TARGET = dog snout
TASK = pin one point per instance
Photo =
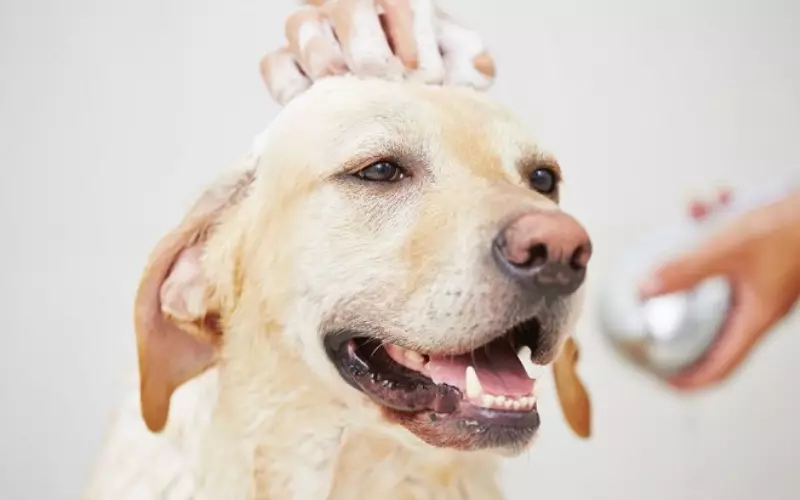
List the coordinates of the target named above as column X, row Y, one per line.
column 544, row 252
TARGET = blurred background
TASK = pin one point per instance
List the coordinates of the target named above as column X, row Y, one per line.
column 114, row 114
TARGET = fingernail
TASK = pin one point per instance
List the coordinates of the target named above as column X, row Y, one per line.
column 340, row 67
column 485, row 64
column 649, row 286
column 679, row 385
column 411, row 63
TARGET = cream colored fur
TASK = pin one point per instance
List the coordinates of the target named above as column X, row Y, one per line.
column 296, row 248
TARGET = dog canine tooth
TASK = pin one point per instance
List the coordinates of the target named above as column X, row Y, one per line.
column 476, row 394
column 533, row 370
column 474, row 389
column 414, row 357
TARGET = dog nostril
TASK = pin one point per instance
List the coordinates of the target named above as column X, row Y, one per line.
column 537, row 256
column 500, row 242
column 580, row 258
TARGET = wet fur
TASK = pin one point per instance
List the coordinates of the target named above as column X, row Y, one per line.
column 290, row 249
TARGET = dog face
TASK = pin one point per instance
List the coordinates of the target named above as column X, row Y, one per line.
column 406, row 244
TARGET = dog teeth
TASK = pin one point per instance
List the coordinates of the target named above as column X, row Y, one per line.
column 406, row 357
column 474, row 389
column 414, row 357
column 477, row 396
column 533, row 370
column 508, row 403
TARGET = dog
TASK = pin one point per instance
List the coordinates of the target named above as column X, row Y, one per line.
column 359, row 310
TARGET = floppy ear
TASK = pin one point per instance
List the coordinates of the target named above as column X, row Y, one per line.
column 572, row 394
column 177, row 331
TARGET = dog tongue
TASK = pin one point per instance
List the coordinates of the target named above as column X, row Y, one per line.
column 497, row 366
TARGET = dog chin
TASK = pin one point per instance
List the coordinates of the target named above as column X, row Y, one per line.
column 479, row 399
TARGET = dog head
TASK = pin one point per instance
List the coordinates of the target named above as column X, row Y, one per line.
column 403, row 244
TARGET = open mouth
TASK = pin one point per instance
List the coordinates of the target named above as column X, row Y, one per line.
column 490, row 387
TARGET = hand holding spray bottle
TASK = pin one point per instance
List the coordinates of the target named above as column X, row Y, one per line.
column 667, row 334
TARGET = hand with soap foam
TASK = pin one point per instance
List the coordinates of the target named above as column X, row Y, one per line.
column 388, row 39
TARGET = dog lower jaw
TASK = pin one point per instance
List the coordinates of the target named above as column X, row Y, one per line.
column 466, row 430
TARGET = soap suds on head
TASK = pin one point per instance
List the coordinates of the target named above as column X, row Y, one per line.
column 430, row 67
column 320, row 52
column 308, row 30
column 368, row 52
column 288, row 81
column 462, row 48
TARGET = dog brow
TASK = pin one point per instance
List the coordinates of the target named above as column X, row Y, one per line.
column 532, row 159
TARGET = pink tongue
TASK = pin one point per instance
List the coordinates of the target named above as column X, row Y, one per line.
column 499, row 370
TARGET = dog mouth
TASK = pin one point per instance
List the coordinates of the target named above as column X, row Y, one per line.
column 490, row 387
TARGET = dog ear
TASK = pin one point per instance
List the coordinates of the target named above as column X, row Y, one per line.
column 177, row 329
column 572, row 395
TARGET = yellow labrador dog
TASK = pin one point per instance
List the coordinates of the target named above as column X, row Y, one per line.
column 360, row 310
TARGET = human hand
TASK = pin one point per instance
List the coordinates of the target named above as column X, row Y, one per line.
column 388, row 39
column 760, row 254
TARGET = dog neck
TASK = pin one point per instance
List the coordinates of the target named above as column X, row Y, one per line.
column 277, row 425
column 290, row 445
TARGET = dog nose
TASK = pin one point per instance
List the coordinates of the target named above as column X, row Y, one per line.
column 545, row 251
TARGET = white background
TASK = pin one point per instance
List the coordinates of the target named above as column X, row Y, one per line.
column 114, row 113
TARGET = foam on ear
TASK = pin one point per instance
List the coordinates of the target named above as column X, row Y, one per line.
column 575, row 402
column 176, row 325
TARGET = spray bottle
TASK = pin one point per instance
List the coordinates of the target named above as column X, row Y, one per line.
column 667, row 334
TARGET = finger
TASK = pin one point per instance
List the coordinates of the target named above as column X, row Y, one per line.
column 714, row 256
column 398, row 21
column 282, row 76
column 745, row 326
column 466, row 60
column 363, row 42
column 313, row 45
column 411, row 28
column 683, row 272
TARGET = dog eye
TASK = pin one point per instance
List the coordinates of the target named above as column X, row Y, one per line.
column 382, row 171
column 543, row 180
